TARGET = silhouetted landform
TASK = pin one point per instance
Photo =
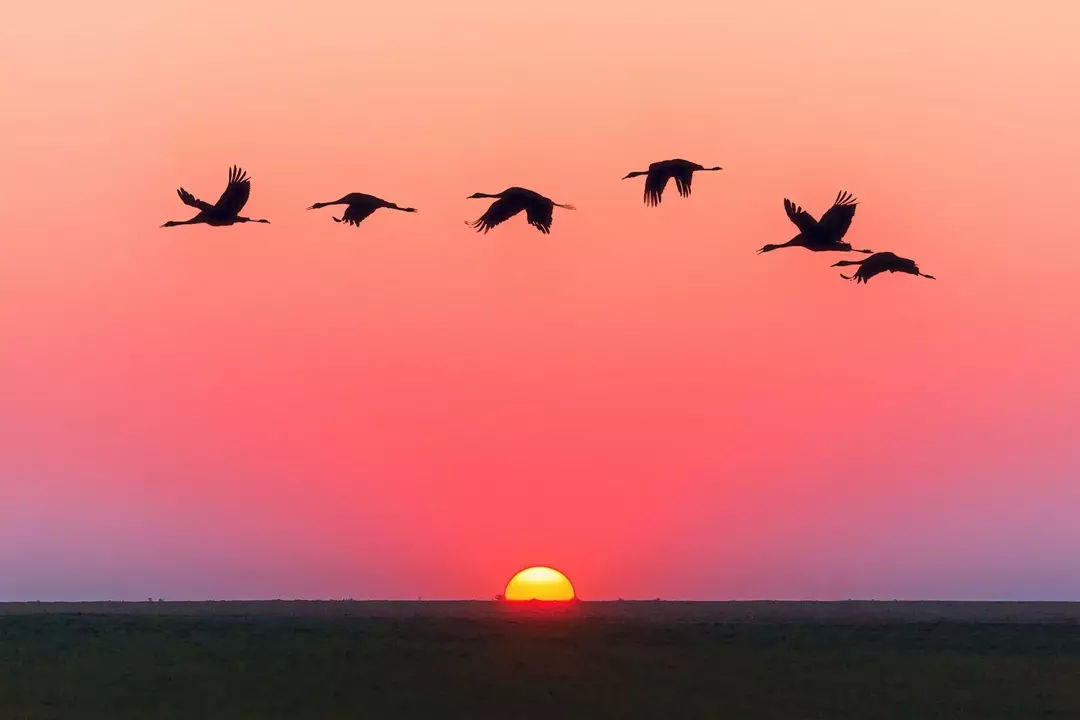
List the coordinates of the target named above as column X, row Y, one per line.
column 665, row 611
column 820, row 235
column 359, row 207
column 658, row 174
column 226, row 211
column 879, row 263
column 750, row 661
column 538, row 209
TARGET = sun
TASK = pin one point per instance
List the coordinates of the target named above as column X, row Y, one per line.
column 539, row 583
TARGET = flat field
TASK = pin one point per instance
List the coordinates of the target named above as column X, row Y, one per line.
column 740, row 660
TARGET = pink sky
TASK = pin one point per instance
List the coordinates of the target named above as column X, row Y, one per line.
column 412, row 409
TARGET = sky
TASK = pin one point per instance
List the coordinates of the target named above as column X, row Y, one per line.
column 411, row 409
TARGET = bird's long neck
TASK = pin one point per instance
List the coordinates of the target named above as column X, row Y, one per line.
column 318, row 205
column 192, row 221
column 797, row 240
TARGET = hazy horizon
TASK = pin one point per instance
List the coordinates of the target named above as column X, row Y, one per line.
column 409, row 408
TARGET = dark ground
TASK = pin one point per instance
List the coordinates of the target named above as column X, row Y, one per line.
column 790, row 661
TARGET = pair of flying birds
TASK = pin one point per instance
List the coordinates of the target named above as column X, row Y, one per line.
column 821, row 235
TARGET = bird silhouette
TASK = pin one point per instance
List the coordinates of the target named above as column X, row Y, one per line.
column 879, row 263
column 226, row 211
column 659, row 173
column 510, row 202
column 824, row 234
column 360, row 206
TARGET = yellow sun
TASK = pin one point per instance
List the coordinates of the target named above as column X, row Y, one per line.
column 539, row 583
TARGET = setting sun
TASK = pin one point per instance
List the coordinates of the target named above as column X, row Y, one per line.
column 539, row 583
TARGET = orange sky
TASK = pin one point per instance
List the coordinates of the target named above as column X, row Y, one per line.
column 412, row 409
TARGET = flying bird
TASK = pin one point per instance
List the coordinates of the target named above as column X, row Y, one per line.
column 538, row 209
column 879, row 263
column 824, row 234
column 359, row 207
column 659, row 173
column 226, row 211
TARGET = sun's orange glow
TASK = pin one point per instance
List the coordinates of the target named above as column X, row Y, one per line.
column 539, row 583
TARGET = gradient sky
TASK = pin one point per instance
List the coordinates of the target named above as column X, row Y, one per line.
column 412, row 409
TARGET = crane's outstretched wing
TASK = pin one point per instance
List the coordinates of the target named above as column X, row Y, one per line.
column 866, row 273
column 192, row 201
column 683, row 178
column 236, row 194
column 837, row 219
column 894, row 263
column 354, row 214
column 655, row 182
column 500, row 211
column 802, row 219
column 540, row 215
column 875, row 265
